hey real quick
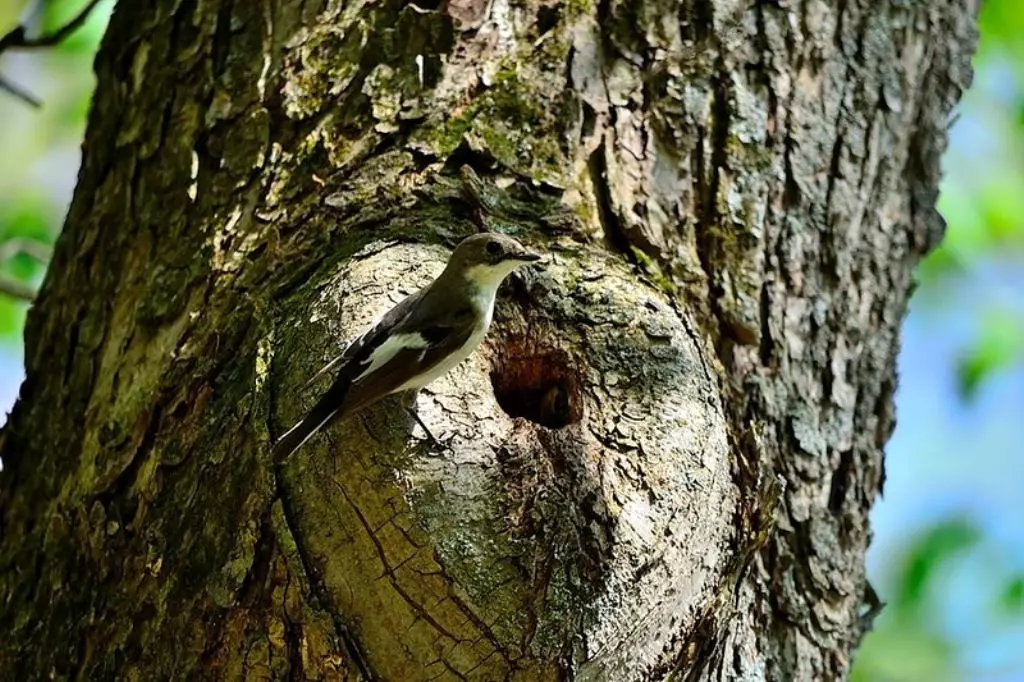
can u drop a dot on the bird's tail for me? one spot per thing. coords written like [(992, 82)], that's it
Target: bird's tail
[(295, 437), (328, 408)]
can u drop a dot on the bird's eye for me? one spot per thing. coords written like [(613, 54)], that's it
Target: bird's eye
[(493, 248)]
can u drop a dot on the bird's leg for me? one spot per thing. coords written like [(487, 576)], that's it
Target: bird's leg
[(433, 439), (408, 401)]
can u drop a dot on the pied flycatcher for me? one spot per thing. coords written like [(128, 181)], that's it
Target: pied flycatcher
[(420, 339)]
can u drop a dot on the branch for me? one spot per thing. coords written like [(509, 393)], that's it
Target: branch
[(18, 93), (30, 247), (16, 38), (17, 290), (12, 247)]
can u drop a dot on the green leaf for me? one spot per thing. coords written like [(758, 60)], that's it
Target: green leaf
[(24, 268), (12, 318), (1012, 599), (30, 217), (924, 559), (941, 263), (1002, 26), (1000, 345), (905, 654)]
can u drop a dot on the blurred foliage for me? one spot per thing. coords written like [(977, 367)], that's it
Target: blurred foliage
[(983, 191), (41, 147), (923, 561), (999, 345), (984, 167), (84, 41), (917, 637), (1012, 601), (920, 637), (908, 642)]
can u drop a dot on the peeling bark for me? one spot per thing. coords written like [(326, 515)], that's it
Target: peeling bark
[(661, 462)]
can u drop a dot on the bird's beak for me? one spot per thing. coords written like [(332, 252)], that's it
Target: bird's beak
[(528, 256)]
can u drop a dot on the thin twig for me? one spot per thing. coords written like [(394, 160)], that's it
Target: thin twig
[(16, 38), (18, 93)]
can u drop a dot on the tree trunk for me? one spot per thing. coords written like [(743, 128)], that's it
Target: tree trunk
[(661, 462)]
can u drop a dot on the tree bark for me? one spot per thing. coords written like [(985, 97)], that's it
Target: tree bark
[(661, 462)]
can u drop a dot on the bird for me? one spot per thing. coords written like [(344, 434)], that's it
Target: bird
[(420, 339)]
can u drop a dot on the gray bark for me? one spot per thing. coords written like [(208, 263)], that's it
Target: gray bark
[(661, 462)]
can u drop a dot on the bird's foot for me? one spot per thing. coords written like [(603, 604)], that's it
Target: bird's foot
[(430, 436)]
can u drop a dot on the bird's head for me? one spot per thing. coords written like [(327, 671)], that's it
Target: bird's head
[(486, 259)]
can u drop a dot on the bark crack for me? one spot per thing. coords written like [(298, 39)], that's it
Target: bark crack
[(389, 571), (418, 609), (611, 225), (318, 588)]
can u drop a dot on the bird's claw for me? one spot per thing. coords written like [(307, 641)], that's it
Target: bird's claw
[(430, 436)]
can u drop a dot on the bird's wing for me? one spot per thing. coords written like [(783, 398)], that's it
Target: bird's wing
[(352, 362), (354, 357), (404, 343), (408, 355)]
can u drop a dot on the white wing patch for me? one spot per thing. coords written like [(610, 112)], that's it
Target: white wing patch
[(486, 304), (389, 349)]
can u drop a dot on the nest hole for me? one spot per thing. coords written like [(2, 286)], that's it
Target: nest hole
[(541, 385)]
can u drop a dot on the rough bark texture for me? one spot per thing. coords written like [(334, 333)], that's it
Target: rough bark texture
[(660, 464)]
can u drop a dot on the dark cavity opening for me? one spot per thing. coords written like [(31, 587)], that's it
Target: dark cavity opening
[(547, 19), (538, 384)]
